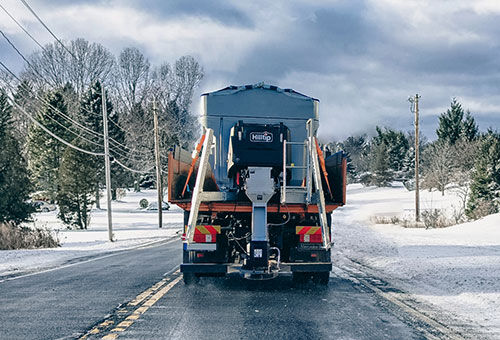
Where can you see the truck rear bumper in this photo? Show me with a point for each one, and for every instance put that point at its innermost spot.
(309, 267)
(204, 268)
(225, 268)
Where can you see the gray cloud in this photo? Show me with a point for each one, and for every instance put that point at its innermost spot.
(221, 11)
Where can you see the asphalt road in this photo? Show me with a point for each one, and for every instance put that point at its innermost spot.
(138, 294)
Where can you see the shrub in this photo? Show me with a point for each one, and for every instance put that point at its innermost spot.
(143, 203)
(12, 237)
(386, 220)
(433, 218)
(120, 193)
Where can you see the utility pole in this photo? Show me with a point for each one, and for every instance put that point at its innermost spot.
(107, 163)
(414, 100)
(158, 165)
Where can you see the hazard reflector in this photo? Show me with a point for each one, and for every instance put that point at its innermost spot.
(206, 233)
(309, 234)
(207, 229)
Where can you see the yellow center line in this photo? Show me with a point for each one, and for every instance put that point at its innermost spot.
(122, 326)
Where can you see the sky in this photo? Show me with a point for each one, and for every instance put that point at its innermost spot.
(361, 59)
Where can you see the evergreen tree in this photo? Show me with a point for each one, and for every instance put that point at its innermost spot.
(357, 150)
(77, 183)
(470, 131)
(408, 170)
(14, 180)
(452, 125)
(485, 186)
(24, 98)
(408, 165)
(381, 173)
(45, 152)
(396, 145)
(91, 117)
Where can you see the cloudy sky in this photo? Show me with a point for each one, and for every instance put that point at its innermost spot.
(362, 59)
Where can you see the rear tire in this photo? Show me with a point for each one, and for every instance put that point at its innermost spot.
(321, 278)
(190, 278)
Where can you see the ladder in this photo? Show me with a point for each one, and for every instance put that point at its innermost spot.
(197, 197)
(285, 188)
(313, 173)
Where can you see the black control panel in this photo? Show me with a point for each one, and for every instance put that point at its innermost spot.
(256, 145)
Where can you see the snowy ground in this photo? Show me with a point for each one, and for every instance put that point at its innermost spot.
(456, 268)
(131, 227)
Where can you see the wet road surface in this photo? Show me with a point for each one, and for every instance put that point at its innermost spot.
(139, 294)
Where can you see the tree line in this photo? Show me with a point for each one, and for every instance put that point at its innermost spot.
(61, 87)
(461, 158)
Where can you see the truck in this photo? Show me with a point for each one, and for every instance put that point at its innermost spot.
(258, 190)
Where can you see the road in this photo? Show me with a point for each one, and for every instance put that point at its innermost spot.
(139, 294)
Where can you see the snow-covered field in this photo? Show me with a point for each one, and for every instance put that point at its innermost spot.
(132, 227)
(456, 268)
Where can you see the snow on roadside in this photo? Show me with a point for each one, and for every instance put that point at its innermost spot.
(456, 268)
(131, 227)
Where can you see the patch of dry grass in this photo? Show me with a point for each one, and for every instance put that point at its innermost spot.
(434, 218)
(14, 237)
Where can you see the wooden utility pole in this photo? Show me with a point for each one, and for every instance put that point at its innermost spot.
(417, 184)
(158, 166)
(107, 163)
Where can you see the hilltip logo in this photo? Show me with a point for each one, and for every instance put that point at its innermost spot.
(261, 137)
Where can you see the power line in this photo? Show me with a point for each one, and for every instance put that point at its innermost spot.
(60, 124)
(43, 48)
(132, 170)
(20, 108)
(117, 144)
(66, 127)
(53, 35)
(69, 144)
(61, 139)
(34, 69)
(57, 111)
(19, 52)
(22, 27)
(54, 108)
(47, 28)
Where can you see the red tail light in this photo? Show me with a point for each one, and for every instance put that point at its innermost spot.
(205, 238)
(315, 238)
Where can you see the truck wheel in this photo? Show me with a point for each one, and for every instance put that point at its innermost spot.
(321, 277)
(190, 278)
(300, 277)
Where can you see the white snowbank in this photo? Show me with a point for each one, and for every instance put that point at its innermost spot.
(131, 227)
(457, 268)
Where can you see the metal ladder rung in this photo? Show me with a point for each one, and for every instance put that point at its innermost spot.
(296, 167)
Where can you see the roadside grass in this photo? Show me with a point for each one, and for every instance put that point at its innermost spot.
(16, 237)
(432, 218)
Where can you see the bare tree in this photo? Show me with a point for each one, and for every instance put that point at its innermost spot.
(464, 155)
(132, 78)
(174, 88)
(438, 166)
(78, 63)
